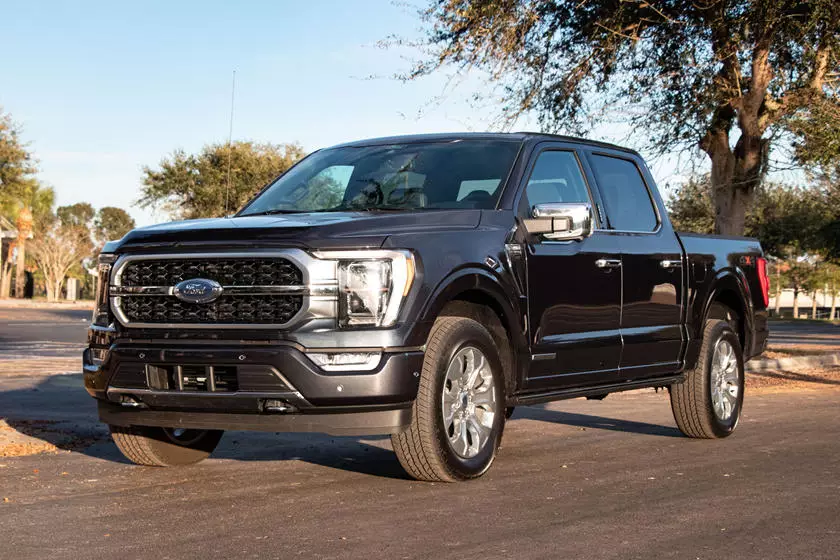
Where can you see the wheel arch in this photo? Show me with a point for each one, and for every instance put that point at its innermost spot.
(729, 289)
(480, 295)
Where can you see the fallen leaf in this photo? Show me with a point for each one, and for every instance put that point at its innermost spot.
(6, 500)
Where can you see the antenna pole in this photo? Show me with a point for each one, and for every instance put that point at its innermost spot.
(230, 139)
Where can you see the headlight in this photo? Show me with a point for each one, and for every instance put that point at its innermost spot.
(371, 285)
(101, 314)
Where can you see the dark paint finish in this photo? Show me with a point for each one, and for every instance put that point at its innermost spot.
(570, 323)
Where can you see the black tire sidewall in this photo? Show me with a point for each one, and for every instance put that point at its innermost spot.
(723, 331)
(470, 333)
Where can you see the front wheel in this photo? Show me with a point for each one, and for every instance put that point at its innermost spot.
(459, 413)
(708, 403)
(164, 447)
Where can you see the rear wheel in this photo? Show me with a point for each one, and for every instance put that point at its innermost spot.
(708, 403)
(164, 447)
(459, 413)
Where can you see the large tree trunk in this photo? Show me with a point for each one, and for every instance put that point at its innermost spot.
(833, 304)
(735, 176)
(796, 303)
(814, 305)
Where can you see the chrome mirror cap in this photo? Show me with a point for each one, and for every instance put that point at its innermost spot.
(561, 221)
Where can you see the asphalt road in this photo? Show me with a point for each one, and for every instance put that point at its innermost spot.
(27, 332)
(580, 479)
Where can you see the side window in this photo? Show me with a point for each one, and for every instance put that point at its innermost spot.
(556, 178)
(625, 195)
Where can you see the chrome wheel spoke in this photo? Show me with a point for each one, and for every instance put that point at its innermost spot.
(724, 380)
(485, 398)
(468, 402)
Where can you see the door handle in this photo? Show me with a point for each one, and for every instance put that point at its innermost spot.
(608, 263)
(670, 264)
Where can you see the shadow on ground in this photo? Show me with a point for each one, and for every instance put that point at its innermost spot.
(595, 422)
(57, 410)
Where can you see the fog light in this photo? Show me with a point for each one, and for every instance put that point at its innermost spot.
(277, 405)
(130, 401)
(346, 361)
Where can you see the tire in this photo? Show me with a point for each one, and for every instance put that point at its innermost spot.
(164, 447)
(692, 401)
(424, 449)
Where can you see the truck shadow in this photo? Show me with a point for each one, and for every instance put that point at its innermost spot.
(595, 422)
(57, 411)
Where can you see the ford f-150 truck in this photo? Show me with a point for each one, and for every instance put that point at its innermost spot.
(423, 287)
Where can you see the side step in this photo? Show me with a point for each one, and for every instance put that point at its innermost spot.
(560, 394)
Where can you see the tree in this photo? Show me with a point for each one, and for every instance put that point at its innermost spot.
(33, 203)
(56, 251)
(17, 188)
(79, 215)
(726, 76)
(111, 224)
(16, 163)
(786, 219)
(797, 276)
(196, 186)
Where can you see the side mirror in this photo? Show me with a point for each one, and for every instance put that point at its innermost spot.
(561, 221)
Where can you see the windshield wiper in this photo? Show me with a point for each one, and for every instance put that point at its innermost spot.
(274, 211)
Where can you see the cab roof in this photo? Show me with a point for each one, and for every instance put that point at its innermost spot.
(455, 136)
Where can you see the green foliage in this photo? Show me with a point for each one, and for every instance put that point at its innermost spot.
(567, 59)
(686, 73)
(78, 215)
(691, 207)
(37, 198)
(16, 163)
(111, 224)
(789, 221)
(196, 185)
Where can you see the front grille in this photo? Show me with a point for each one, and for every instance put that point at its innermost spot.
(231, 310)
(227, 272)
(256, 290)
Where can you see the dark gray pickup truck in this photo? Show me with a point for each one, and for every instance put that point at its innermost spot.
(423, 287)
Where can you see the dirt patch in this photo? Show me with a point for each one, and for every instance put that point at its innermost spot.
(20, 438)
(39, 366)
(795, 378)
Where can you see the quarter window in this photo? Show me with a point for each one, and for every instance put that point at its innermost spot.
(625, 195)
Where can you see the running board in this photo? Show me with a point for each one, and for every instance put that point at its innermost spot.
(556, 395)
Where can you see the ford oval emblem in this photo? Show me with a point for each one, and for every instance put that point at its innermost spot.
(198, 290)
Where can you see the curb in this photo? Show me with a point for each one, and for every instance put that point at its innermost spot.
(796, 361)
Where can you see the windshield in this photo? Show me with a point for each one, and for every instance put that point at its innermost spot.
(455, 174)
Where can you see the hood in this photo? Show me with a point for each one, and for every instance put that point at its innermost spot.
(307, 230)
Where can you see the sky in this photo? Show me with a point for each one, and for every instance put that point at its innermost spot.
(102, 89)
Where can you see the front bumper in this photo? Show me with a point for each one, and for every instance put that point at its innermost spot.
(277, 389)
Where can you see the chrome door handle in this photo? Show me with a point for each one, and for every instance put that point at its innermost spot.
(608, 263)
(670, 264)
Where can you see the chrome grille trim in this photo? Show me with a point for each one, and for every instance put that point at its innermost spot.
(319, 289)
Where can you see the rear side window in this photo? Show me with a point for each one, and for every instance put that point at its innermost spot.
(625, 195)
(556, 178)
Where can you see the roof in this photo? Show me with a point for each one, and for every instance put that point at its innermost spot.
(455, 136)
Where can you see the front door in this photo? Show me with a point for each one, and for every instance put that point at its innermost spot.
(651, 255)
(574, 287)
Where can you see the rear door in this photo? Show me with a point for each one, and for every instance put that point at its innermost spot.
(651, 255)
(574, 287)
